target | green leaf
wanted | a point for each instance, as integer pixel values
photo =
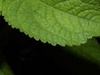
(0, 6)
(90, 50)
(61, 22)
(4, 67)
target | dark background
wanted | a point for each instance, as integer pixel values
(27, 56)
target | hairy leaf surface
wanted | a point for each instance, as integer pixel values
(61, 22)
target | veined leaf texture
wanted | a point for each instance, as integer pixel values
(63, 22)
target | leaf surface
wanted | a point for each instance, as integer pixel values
(90, 50)
(0, 6)
(4, 67)
(61, 22)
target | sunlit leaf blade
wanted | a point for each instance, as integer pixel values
(0, 6)
(61, 22)
(90, 50)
